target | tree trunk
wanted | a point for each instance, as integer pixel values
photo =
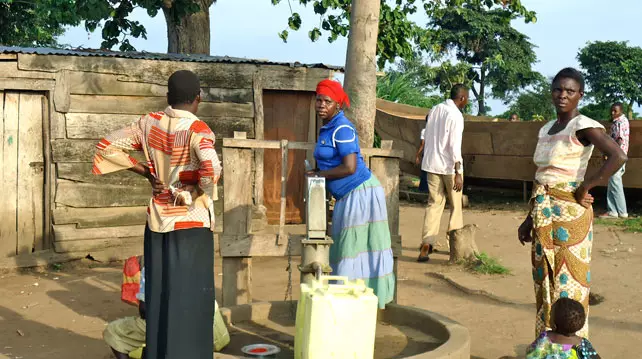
(361, 68)
(481, 101)
(630, 112)
(188, 34)
(462, 244)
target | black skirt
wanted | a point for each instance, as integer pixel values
(179, 294)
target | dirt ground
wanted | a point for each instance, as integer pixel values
(61, 312)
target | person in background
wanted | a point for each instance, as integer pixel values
(560, 222)
(615, 199)
(423, 178)
(443, 163)
(362, 245)
(513, 118)
(561, 342)
(178, 240)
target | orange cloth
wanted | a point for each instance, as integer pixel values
(334, 90)
(131, 281)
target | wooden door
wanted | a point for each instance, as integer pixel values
(287, 115)
(22, 200)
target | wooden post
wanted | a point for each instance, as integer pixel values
(525, 191)
(237, 220)
(387, 171)
(284, 187)
(259, 132)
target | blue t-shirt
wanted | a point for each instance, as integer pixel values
(338, 139)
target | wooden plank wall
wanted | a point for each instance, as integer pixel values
(92, 96)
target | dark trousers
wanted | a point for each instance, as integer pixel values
(179, 294)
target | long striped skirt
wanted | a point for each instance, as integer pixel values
(561, 252)
(362, 247)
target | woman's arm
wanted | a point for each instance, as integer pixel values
(347, 167)
(615, 160)
(605, 144)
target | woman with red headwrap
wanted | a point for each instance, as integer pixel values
(362, 247)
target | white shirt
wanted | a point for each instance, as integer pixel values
(422, 133)
(442, 143)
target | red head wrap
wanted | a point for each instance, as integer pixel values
(333, 90)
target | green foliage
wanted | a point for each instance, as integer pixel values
(399, 87)
(485, 264)
(613, 71)
(46, 19)
(35, 23)
(602, 111)
(633, 225)
(534, 104)
(398, 35)
(499, 57)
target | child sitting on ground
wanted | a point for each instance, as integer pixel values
(568, 317)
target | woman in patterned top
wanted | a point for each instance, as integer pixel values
(362, 246)
(560, 222)
(179, 245)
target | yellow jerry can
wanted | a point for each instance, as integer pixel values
(335, 320)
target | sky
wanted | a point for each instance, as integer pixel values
(249, 28)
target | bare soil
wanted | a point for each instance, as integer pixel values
(51, 313)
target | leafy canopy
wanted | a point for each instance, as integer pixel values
(35, 23)
(46, 19)
(398, 35)
(499, 57)
(613, 71)
(534, 104)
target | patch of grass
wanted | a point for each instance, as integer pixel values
(629, 225)
(56, 267)
(485, 264)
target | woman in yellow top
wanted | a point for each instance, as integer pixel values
(560, 222)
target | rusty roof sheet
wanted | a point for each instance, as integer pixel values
(156, 56)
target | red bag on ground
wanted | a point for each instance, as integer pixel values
(131, 280)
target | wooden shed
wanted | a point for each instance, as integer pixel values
(56, 104)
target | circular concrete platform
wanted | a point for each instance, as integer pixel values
(402, 332)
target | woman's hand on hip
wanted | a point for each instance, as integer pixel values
(583, 197)
(525, 231)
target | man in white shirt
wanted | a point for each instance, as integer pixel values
(443, 162)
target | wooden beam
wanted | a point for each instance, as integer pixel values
(61, 92)
(49, 174)
(259, 130)
(387, 171)
(137, 105)
(10, 68)
(69, 232)
(26, 84)
(100, 217)
(5, 57)
(88, 83)
(264, 245)
(91, 195)
(284, 187)
(81, 172)
(237, 191)
(96, 126)
(266, 144)
(88, 245)
(237, 281)
(80, 151)
(223, 75)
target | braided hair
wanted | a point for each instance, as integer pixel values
(568, 316)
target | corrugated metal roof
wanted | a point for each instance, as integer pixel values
(156, 56)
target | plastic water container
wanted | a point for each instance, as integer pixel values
(335, 320)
